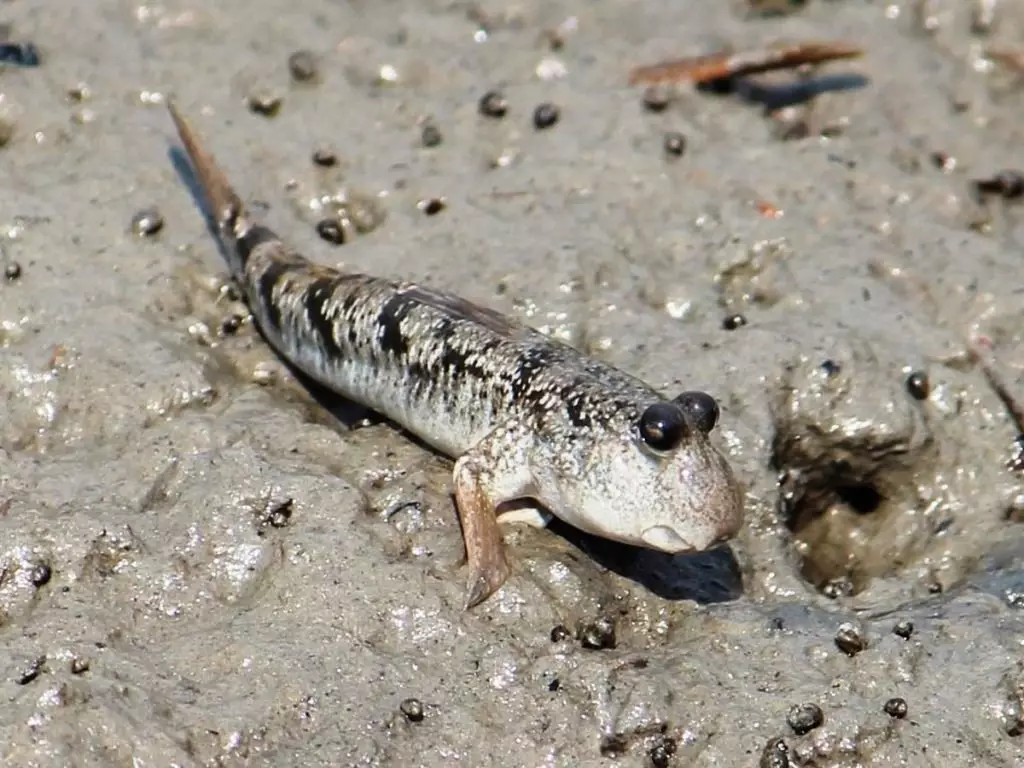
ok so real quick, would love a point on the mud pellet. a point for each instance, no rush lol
(918, 385)
(31, 672)
(943, 161)
(896, 708)
(331, 230)
(324, 157)
(147, 222)
(850, 639)
(661, 753)
(903, 629)
(732, 322)
(655, 99)
(229, 325)
(598, 635)
(280, 513)
(12, 271)
(559, 633)
(79, 665)
(264, 103)
(303, 66)
(838, 587)
(41, 574)
(430, 135)
(412, 709)
(432, 206)
(493, 104)
(775, 754)
(264, 373)
(674, 143)
(545, 116)
(804, 718)
(831, 368)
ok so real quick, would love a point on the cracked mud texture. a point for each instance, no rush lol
(202, 563)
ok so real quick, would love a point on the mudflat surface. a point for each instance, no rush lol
(201, 565)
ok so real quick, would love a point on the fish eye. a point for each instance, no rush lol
(701, 410)
(663, 426)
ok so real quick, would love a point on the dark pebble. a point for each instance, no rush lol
(674, 143)
(943, 161)
(661, 753)
(598, 635)
(732, 322)
(29, 674)
(147, 222)
(331, 230)
(430, 135)
(493, 104)
(302, 66)
(1006, 184)
(230, 325)
(22, 54)
(79, 666)
(831, 368)
(896, 707)
(804, 718)
(560, 633)
(850, 639)
(265, 104)
(432, 205)
(324, 157)
(841, 586)
(655, 99)
(280, 513)
(41, 575)
(918, 385)
(12, 271)
(545, 116)
(412, 709)
(775, 755)
(904, 629)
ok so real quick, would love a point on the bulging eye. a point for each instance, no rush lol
(663, 426)
(701, 410)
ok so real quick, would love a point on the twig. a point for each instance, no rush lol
(725, 64)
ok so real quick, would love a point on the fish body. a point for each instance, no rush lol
(524, 416)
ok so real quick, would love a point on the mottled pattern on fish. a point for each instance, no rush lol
(445, 369)
(525, 416)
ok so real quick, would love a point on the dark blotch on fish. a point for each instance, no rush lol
(394, 311)
(318, 295)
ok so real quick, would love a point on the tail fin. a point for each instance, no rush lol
(224, 206)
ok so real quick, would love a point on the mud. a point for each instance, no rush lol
(203, 562)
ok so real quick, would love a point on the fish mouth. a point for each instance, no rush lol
(665, 539)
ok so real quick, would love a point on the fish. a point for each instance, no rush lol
(535, 428)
